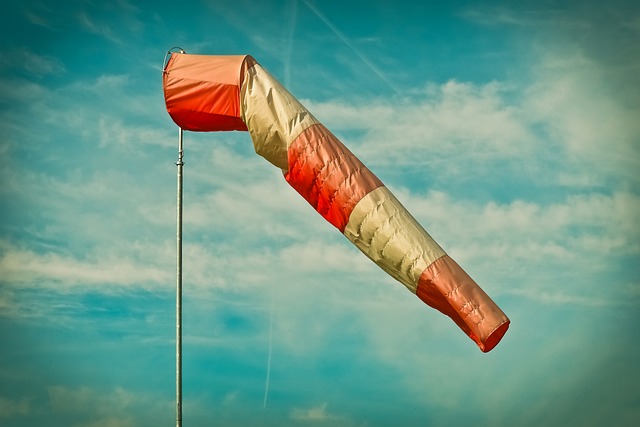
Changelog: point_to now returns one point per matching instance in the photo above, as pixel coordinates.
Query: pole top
(175, 49)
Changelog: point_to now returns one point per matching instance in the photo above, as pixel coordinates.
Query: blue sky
(509, 130)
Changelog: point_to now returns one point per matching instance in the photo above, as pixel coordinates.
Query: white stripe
(273, 116)
(387, 233)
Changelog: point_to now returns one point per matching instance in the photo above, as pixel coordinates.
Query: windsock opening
(202, 92)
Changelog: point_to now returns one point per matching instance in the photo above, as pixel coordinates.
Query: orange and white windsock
(221, 93)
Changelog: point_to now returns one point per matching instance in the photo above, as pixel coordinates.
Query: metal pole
(180, 165)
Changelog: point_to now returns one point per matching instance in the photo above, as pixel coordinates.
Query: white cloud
(93, 26)
(91, 407)
(314, 413)
(230, 398)
(21, 91)
(566, 126)
(28, 268)
(528, 245)
(452, 120)
(40, 18)
(526, 18)
(129, 137)
(572, 99)
(110, 422)
(70, 400)
(11, 408)
(33, 63)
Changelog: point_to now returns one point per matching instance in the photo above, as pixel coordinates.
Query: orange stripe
(328, 175)
(445, 286)
(202, 92)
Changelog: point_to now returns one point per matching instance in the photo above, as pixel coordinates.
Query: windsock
(221, 93)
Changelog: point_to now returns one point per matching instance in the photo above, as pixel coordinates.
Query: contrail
(289, 49)
(287, 80)
(346, 41)
(266, 384)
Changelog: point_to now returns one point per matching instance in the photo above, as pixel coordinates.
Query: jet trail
(350, 45)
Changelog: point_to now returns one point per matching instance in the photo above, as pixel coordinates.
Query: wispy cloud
(35, 64)
(572, 99)
(290, 42)
(315, 413)
(94, 27)
(541, 17)
(95, 407)
(42, 15)
(586, 233)
(58, 271)
(64, 399)
(10, 408)
(550, 129)
(450, 125)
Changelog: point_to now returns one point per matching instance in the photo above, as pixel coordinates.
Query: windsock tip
(494, 338)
